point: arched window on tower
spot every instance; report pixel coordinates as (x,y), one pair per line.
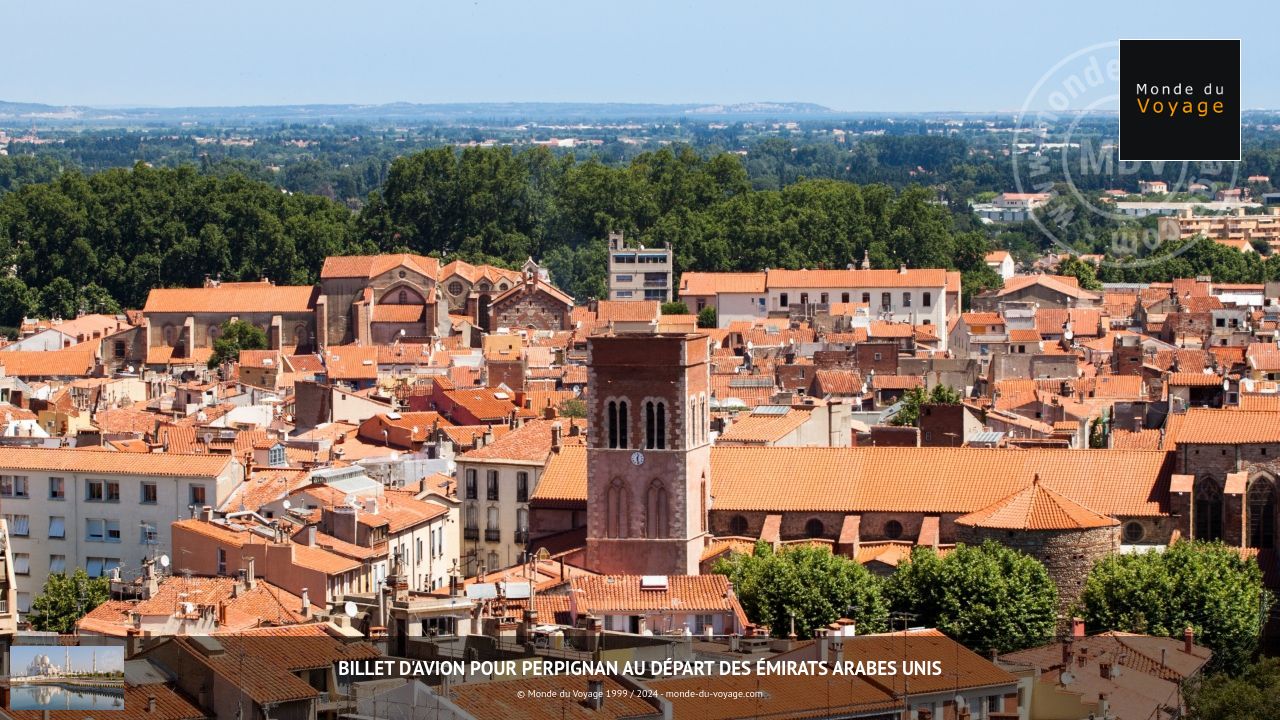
(655,425)
(616,510)
(611,410)
(1208,509)
(1262,512)
(624,439)
(657,517)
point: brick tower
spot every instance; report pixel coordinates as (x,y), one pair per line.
(648,453)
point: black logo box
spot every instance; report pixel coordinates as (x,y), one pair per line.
(1190,65)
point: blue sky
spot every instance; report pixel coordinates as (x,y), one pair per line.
(855,56)
(109,658)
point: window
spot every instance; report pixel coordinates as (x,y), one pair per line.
(1208,510)
(655,425)
(471,517)
(493,560)
(24,602)
(844,297)
(222,561)
(57,488)
(419,555)
(149,535)
(617,524)
(906,299)
(928,299)
(623,278)
(276,456)
(113,530)
(617,421)
(886,300)
(113,491)
(893,529)
(57,527)
(624,293)
(491,484)
(119,348)
(522,487)
(93,490)
(471,485)
(21,564)
(13,486)
(148,493)
(1261,509)
(1134,532)
(19,525)
(94,529)
(866,298)
(822,298)
(737,525)
(783,300)
(197,495)
(814,528)
(804,298)
(57,564)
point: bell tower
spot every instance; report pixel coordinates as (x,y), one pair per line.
(648,452)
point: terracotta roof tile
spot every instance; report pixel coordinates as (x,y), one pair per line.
(757,429)
(83,461)
(611,594)
(75,361)
(531,442)
(367,266)
(784,279)
(707,283)
(232,298)
(1209,426)
(1036,507)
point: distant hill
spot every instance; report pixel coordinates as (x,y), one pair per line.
(17,113)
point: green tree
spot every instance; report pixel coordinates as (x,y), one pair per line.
(675,308)
(16,301)
(707,318)
(807,584)
(913,399)
(236,335)
(573,408)
(1085,272)
(1208,587)
(66,598)
(59,299)
(987,597)
(1252,695)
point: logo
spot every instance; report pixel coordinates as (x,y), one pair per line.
(1180,100)
(1066,159)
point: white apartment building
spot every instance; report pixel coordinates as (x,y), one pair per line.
(69,509)
(495,483)
(639,273)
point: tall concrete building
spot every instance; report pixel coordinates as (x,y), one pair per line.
(639,273)
(648,453)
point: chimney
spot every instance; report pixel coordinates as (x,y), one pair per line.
(820,635)
(206,513)
(902,269)
(595,694)
(555,437)
(1077,627)
(1188,639)
(250,581)
(1067,652)
(306,604)
(1104,707)
(373,506)
(311,535)
(151,704)
(222,615)
(549,412)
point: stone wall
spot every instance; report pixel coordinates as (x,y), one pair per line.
(1068,555)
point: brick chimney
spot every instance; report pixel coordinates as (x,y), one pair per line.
(1077,627)
(555,437)
(1188,639)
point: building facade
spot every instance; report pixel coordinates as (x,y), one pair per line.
(639,273)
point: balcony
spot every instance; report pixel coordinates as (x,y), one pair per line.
(492,535)
(471,533)
(522,537)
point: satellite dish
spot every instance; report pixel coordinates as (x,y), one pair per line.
(1068,334)
(187,608)
(350,609)
(286,504)
(164,561)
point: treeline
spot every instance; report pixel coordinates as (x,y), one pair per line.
(100,242)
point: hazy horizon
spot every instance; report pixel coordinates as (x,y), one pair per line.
(852,58)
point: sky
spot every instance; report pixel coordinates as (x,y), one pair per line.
(852,56)
(110,658)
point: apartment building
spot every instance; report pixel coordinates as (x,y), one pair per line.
(1235,229)
(69,509)
(639,273)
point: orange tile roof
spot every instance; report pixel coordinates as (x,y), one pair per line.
(1065,285)
(1259,403)
(708,283)
(611,594)
(367,266)
(482,403)
(465,435)
(1210,426)
(393,313)
(126,420)
(529,443)
(232,298)
(75,361)
(532,286)
(1024,335)
(881,329)
(762,429)
(1085,322)
(838,382)
(886,479)
(1036,507)
(997,255)
(982,318)
(1139,440)
(1194,379)
(628,310)
(84,461)
(896,382)
(927,277)
(351,362)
